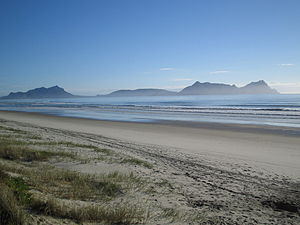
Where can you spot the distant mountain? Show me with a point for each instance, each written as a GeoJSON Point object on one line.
{"type": "Point", "coordinates": [141, 92]}
{"type": "Point", "coordinates": [52, 92]}
{"type": "Point", "coordinates": [209, 89]}
{"type": "Point", "coordinates": [260, 87]}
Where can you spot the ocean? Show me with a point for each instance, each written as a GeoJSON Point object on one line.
{"type": "Point", "coordinates": [276, 110]}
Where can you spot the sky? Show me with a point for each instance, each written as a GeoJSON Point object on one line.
{"type": "Point", "coordinates": [94, 47]}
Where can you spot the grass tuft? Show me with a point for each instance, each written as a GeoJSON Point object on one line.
{"type": "Point", "coordinates": [73, 185]}
{"type": "Point", "coordinates": [10, 211]}
{"type": "Point", "coordinates": [116, 214]}
{"type": "Point", "coordinates": [17, 131]}
{"type": "Point", "coordinates": [11, 150]}
{"type": "Point", "coordinates": [20, 189]}
{"type": "Point", "coordinates": [29, 188]}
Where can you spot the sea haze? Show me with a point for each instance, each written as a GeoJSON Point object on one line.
{"type": "Point", "coordinates": [276, 110]}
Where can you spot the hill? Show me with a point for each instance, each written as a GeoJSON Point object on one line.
{"type": "Point", "coordinates": [52, 92]}
{"type": "Point", "coordinates": [141, 92]}
{"type": "Point", "coordinates": [259, 87]}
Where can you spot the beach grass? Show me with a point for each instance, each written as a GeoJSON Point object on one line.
{"type": "Point", "coordinates": [14, 130]}
{"type": "Point", "coordinates": [35, 182]}
{"type": "Point", "coordinates": [75, 145]}
{"type": "Point", "coordinates": [73, 185]}
{"type": "Point", "coordinates": [16, 196]}
{"type": "Point", "coordinates": [10, 210]}
{"type": "Point", "coordinates": [24, 171]}
{"type": "Point", "coordinates": [17, 150]}
{"type": "Point", "coordinates": [109, 214]}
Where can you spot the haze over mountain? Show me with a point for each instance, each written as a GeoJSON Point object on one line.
{"type": "Point", "coordinates": [259, 87]}
{"type": "Point", "coordinates": [208, 89]}
{"type": "Point", "coordinates": [51, 92]}
{"type": "Point", "coordinates": [142, 92]}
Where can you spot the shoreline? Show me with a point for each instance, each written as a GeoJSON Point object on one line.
{"type": "Point", "coordinates": [267, 148]}
{"type": "Point", "coordinates": [235, 127]}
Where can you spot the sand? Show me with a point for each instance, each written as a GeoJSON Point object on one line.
{"type": "Point", "coordinates": [275, 149]}
{"type": "Point", "coordinates": [241, 173]}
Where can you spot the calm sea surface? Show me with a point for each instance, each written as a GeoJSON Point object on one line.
{"type": "Point", "coordinates": [277, 110]}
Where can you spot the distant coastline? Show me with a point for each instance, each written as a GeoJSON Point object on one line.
{"type": "Point", "coordinates": [206, 88]}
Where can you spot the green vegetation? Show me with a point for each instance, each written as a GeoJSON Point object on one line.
{"type": "Point", "coordinates": [15, 131]}
{"type": "Point", "coordinates": [71, 144]}
{"type": "Point", "coordinates": [73, 185]}
{"type": "Point", "coordinates": [11, 212]}
{"type": "Point", "coordinates": [113, 214]}
{"type": "Point", "coordinates": [31, 187]}
{"type": "Point", "coordinates": [14, 150]}
{"type": "Point", "coordinates": [15, 197]}
{"type": "Point", "coordinates": [27, 185]}
{"type": "Point", "coordinates": [20, 188]}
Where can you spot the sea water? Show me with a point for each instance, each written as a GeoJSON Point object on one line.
{"type": "Point", "coordinates": [276, 110]}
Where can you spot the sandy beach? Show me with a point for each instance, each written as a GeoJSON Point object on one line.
{"type": "Point", "coordinates": [244, 174]}
{"type": "Point", "coordinates": [274, 149]}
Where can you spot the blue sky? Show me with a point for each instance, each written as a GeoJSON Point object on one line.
{"type": "Point", "coordinates": [91, 47]}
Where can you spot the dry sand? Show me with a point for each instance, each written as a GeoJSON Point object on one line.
{"type": "Point", "coordinates": [247, 174]}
